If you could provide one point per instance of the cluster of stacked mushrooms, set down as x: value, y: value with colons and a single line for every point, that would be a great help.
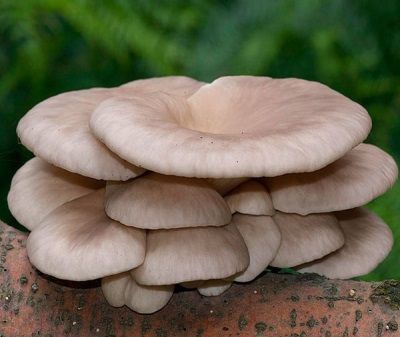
x: 169, y: 181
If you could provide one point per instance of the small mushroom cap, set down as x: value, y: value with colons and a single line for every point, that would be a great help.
x: 121, y: 289
x: 224, y: 185
x: 155, y: 201
x: 306, y: 238
x: 77, y: 241
x: 263, y: 239
x: 214, y: 287
x: 368, y: 240
x: 35, y: 190
x: 250, y: 197
x: 192, y: 254
x: 234, y: 127
x: 57, y: 130
x: 353, y: 180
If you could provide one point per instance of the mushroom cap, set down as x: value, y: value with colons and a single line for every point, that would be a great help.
x: 368, y: 240
x: 234, y: 127
x: 224, y: 185
x: 121, y: 289
x: 155, y: 201
x: 35, y: 190
x: 78, y: 241
x: 192, y: 254
x: 306, y: 238
x: 57, y: 129
x: 263, y: 239
x: 358, y: 177
x: 250, y: 197
x: 214, y: 287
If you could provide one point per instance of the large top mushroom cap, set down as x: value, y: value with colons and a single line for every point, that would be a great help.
x: 155, y: 201
x: 368, y: 240
x: 192, y: 254
x: 78, y: 241
x: 306, y: 238
x: 57, y: 129
x: 35, y: 190
x: 353, y: 180
x: 234, y: 127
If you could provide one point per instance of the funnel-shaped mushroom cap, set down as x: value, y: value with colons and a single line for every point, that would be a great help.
x: 262, y: 237
x: 121, y: 289
x: 250, y: 197
x: 155, y: 201
x: 192, y: 254
x: 35, y: 190
x: 57, y: 129
x: 78, y: 241
x: 354, y: 180
x: 306, y: 238
x: 234, y: 127
x: 214, y: 287
x: 368, y: 240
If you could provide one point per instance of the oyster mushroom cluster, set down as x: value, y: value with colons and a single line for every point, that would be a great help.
x: 170, y: 181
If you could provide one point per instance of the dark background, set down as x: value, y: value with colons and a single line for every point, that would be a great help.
x: 52, y: 46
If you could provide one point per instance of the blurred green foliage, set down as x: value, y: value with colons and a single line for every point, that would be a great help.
x: 52, y: 46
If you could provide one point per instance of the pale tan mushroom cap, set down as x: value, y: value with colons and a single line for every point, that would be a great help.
x: 57, y: 129
x: 155, y: 201
x: 77, y: 241
x: 121, y: 289
x: 368, y: 240
x: 234, y: 127
x: 306, y: 238
x: 192, y: 254
x: 353, y: 180
x: 38, y: 188
x: 251, y: 198
x: 214, y: 287
x: 263, y: 239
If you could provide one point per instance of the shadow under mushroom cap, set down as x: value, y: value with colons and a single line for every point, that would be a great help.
x: 234, y: 127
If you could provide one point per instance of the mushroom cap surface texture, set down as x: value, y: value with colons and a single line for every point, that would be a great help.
x: 306, y: 238
x: 38, y: 188
x: 368, y: 240
x: 239, y: 126
x: 192, y: 254
x: 78, y: 242
x: 155, y: 201
x: 57, y: 129
x: 358, y: 177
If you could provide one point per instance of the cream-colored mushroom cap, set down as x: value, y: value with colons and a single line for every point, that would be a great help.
x: 39, y: 188
x: 57, y: 129
x: 368, y: 240
x: 155, y: 201
x: 192, y: 254
x: 78, y: 241
x: 251, y: 198
x: 263, y: 239
x: 234, y: 127
x: 354, y: 180
x: 121, y: 289
x: 306, y: 238
x: 214, y: 287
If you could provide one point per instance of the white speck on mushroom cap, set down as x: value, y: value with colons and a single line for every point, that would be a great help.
x: 234, y: 127
x: 368, y: 240
x: 121, y: 289
x: 192, y: 254
x: 155, y: 201
x: 35, y: 190
x: 358, y: 177
x: 251, y: 198
x: 306, y: 238
x: 57, y: 129
x: 78, y: 241
x: 263, y: 239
